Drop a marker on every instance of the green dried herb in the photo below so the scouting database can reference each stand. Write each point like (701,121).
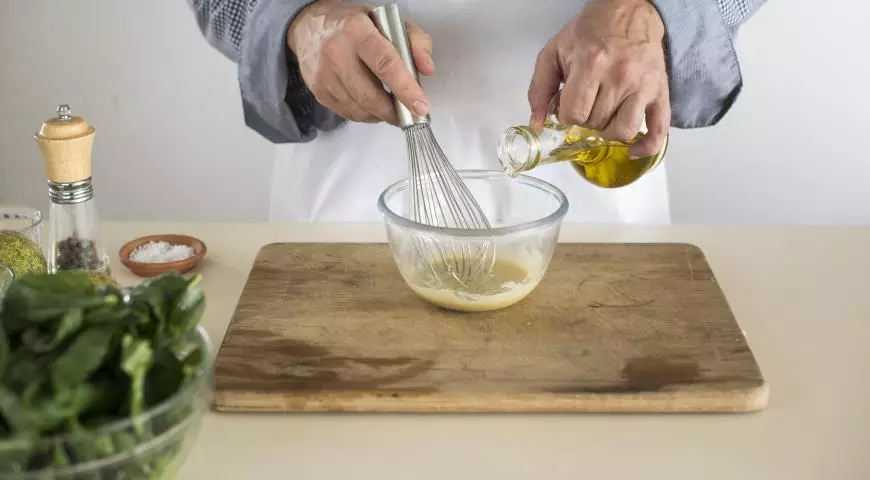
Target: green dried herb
(76,356)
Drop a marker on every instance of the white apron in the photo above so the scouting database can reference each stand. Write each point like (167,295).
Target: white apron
(484,52)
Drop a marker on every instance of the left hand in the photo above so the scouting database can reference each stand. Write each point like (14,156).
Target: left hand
(611,59)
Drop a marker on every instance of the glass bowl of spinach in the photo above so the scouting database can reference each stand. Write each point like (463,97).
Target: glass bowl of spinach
(101,382)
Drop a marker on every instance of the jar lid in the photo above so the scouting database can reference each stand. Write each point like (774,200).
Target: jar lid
(66,141)
(64,126)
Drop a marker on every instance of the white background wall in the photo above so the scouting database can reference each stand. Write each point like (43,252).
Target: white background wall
(169,119)
(165,105)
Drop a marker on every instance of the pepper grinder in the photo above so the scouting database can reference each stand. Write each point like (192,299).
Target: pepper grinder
(74,241)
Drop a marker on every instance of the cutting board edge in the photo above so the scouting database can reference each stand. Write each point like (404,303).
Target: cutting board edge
(738,400)
(278,244)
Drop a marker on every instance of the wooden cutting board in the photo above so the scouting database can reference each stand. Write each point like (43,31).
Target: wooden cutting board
(611,328)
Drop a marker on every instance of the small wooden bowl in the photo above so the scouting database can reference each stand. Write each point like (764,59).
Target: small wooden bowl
(152,269)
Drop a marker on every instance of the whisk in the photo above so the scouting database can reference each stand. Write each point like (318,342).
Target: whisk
(438,196)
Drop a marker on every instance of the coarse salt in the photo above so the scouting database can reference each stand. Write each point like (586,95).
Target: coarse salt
(160,252)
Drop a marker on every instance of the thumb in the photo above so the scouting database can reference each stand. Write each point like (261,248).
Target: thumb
(421,48)
(545,83)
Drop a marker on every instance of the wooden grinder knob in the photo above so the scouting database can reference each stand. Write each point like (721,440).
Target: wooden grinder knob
(66,142)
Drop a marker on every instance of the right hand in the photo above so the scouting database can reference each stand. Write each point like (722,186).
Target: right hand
(343,59)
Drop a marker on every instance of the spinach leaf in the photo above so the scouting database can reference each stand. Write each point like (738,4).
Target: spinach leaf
(24,368)
(5,352)
(36,298)
(136,358)
(36,339)
(44,414)
(16,453)
(85,445)
(40,340)
(192,362)
(70,323)
(111,394)
(60,457)
(158,297)
(83,356)
(76,283)
(186,314)
(165,377)
(114,312)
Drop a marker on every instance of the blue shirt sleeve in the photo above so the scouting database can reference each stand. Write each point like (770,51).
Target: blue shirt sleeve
(253,33)
(703,70)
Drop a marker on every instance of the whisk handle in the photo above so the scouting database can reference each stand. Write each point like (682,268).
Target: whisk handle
(389,22)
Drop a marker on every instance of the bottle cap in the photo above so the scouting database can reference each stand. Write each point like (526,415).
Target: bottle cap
(66,142)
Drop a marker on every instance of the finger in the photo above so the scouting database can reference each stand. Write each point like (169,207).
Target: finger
(336,97)
(383,59)
(385,110)
(362,87)
(544,84)
(366,91)
(348,109)
(625,123)
(658,119)
(578,97)
(606,102)
(421,48)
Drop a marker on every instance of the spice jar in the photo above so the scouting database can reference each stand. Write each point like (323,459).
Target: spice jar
(74,241)
(21,245)
(603,163)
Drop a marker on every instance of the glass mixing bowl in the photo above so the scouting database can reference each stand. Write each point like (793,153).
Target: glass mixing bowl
(525,214)
(117,450)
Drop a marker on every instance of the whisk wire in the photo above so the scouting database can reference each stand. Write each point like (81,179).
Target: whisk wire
(439,197)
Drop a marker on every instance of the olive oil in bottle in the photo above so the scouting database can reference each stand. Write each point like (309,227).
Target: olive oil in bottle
(604,163)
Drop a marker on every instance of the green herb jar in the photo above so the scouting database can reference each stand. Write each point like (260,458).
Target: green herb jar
(21,244)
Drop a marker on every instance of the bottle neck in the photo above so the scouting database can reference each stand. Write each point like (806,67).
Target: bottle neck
(70,193)
(519,150)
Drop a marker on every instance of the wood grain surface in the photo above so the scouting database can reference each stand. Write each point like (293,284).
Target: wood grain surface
(611,328)
(66,147)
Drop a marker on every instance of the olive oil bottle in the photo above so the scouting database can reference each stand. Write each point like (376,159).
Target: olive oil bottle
(604,163)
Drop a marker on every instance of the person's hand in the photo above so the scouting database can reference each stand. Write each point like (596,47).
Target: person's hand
(612,62)
(343,59)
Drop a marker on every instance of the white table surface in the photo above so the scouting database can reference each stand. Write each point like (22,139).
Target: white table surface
(802,294)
